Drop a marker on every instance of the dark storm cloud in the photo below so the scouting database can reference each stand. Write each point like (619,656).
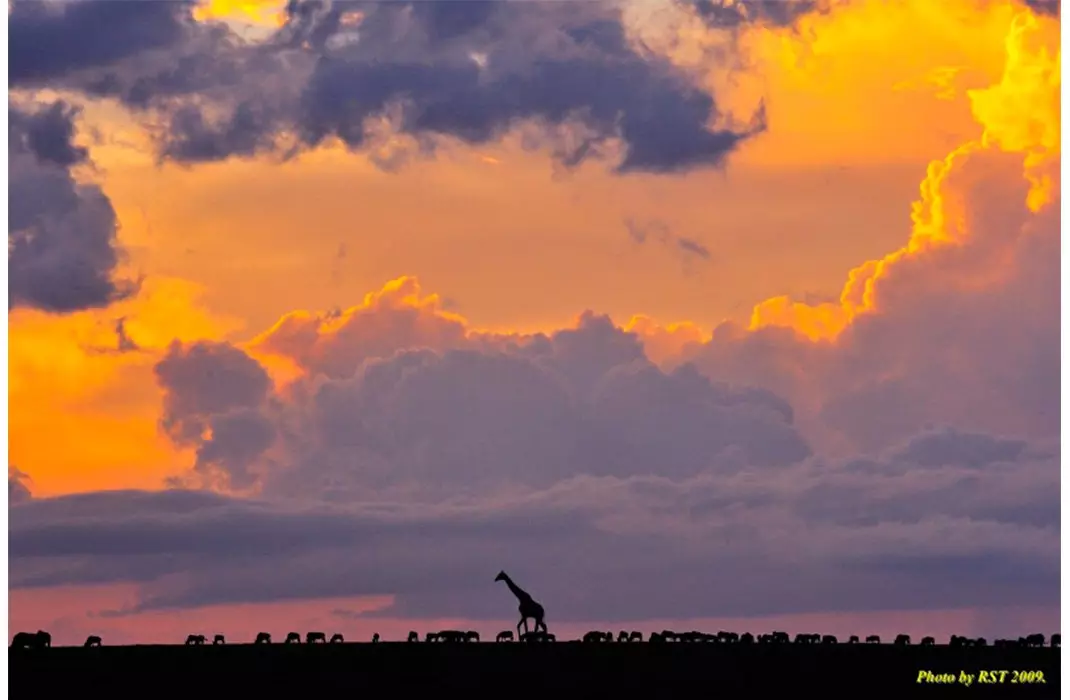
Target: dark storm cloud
(48,40)
(62,252)
(734,13)
(558,65)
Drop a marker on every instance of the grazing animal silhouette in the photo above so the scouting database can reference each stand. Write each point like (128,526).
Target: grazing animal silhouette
(807,638)
(1034,640)
(506,636)
(635,636)
(980,642)
(746,638)
(828,639)
(471,636)
(413,637)
(873,639)
(728,637)
(338,639)
(31,640)
(92,641)
(928,641)
(219,639)
(195,639)
(853,639)
(622,637)
(431,637)
(780,637)
(594,636)
(375,638)
(656,637)
(293,638)
(313,637)
(263,638)
(1056,640)
(528,607)
(902,639)
(957,641)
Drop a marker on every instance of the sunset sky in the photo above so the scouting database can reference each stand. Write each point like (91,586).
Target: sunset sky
(687,314)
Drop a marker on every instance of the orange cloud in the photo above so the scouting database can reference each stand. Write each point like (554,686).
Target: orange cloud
(1020,114)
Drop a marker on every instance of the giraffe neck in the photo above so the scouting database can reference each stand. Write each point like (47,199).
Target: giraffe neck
(516,590)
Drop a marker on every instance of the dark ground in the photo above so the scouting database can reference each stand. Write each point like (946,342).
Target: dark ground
(555,670)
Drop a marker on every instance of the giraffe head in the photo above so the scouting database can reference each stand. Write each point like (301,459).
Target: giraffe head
(501,576)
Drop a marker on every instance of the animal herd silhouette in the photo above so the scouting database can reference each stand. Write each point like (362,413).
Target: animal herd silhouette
(530,609)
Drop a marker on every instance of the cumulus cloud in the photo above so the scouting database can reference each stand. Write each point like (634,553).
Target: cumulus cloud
(62,249)
(214,398)
(961,325)
(398,394)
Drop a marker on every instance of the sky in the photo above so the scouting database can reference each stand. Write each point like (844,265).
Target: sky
(688,315)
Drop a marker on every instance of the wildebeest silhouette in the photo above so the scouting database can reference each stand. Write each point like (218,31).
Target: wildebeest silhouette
(314,637)
(504,636)
(337,638)
(31,640)
(219,639)
(194,639)
(902,639)
(413,637)
(92,641)
(263,638)
(293,638)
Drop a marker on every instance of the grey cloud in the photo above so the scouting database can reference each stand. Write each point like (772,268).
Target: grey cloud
(49,40)
(587,547)
(215,395)
(18,490)
(62,249)
(558,65)
(461,410)
(660,232)
(736,13)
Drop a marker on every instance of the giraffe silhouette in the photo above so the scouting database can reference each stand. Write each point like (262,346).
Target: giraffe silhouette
(528,607)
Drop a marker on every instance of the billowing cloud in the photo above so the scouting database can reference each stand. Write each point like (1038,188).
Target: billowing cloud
(214,393)
(62,252)
(399,394)
(960,325)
